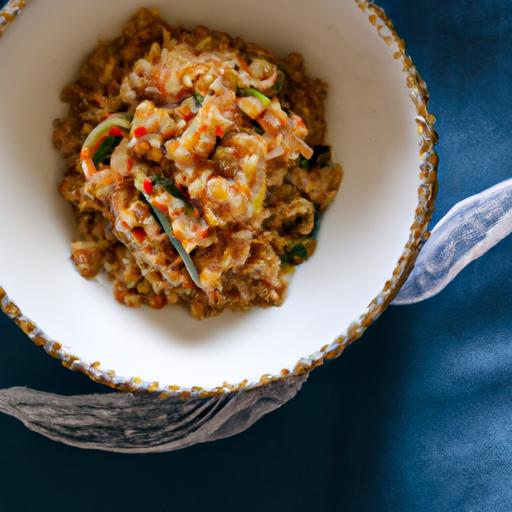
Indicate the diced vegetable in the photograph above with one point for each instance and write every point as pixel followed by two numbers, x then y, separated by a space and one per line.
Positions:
pixel 249 91
pixel 140 131
pixel 139 234
pixel 167 227
pixel 115 131
pixel 251 106
pixel 148 186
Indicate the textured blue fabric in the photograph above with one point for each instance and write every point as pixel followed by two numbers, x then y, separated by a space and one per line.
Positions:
pixel 417 416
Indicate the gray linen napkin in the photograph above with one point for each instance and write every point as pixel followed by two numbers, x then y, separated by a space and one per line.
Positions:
pixel 122 422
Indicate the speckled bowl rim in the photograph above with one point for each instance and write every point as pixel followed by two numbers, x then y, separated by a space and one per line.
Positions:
pixel 418 234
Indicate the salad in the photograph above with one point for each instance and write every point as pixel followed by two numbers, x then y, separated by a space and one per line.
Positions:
pixel 196 167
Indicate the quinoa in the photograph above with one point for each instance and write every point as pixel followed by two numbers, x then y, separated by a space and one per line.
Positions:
pixel 195 165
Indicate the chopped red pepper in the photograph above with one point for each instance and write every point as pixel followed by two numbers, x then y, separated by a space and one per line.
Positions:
pixel 139 234
pixel 115 131
pixel 140 131
pixel 219 131
pixel 148 186
pixel 129 163
pixel 187 115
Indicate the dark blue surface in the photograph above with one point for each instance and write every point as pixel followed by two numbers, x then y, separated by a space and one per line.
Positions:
pixel 415 417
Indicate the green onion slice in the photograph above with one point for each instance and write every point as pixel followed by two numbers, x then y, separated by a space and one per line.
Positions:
pixel 257 94
pixel 184 255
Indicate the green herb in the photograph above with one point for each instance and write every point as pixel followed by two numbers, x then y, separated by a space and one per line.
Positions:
pixel 303 162
pixel 106 149
pixel 296 255
pixel 167 227
pixel 249 91
pixel 199 99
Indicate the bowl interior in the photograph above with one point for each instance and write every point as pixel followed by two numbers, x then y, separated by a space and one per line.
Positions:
pixel 372 127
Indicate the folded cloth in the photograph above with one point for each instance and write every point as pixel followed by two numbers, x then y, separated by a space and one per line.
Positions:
pixel 126 423
pixel 467 231
pixel 122 422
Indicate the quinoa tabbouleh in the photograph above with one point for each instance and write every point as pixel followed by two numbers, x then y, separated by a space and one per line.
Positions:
pixel 196 167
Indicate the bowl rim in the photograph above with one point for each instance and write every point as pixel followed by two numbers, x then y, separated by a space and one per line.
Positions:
pixel 418 234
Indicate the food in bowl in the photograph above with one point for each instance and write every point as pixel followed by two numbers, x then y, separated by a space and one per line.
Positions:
pixel 196 167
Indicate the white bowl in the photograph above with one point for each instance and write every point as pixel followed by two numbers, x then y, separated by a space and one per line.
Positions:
pixel 381 133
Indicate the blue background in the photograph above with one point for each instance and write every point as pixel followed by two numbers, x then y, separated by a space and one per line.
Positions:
pixel 417 416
